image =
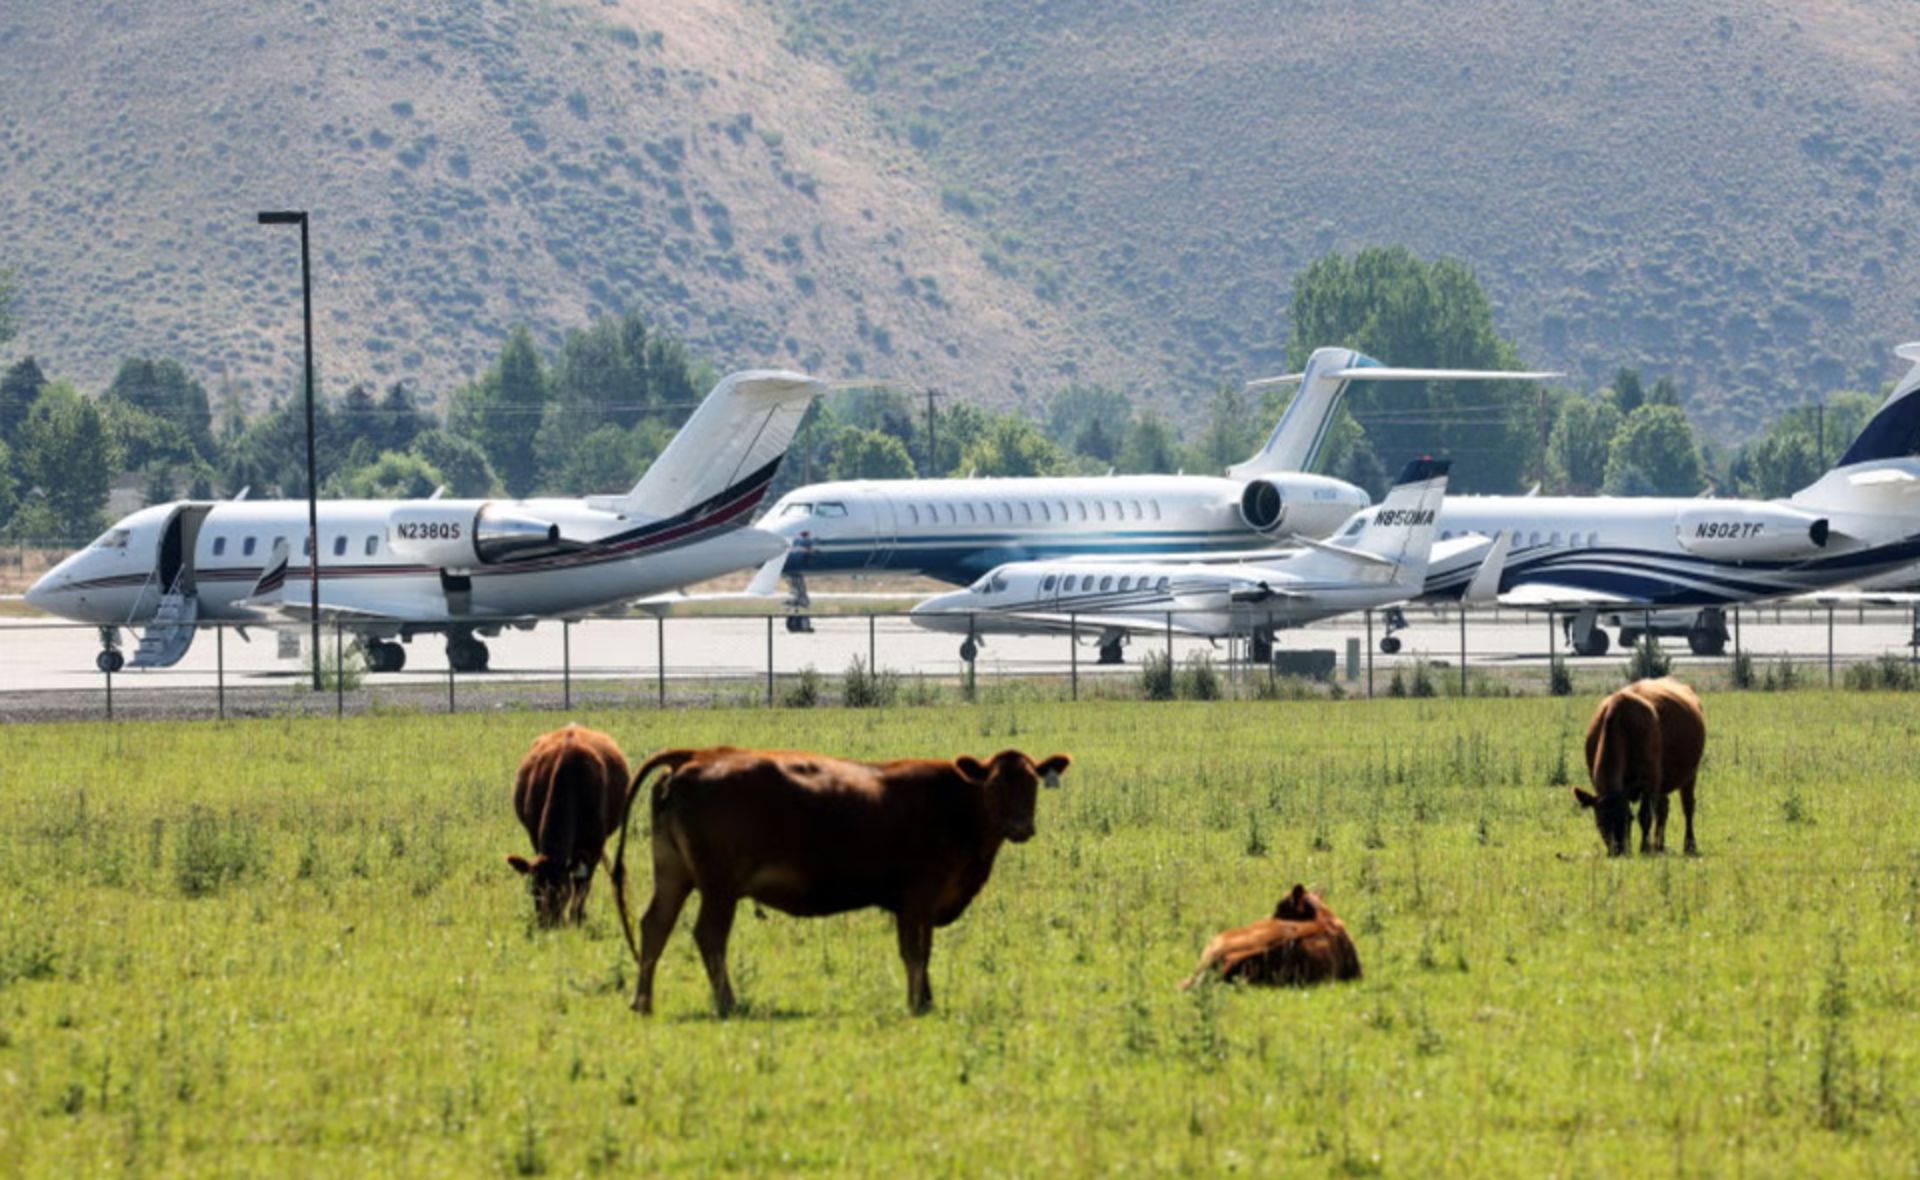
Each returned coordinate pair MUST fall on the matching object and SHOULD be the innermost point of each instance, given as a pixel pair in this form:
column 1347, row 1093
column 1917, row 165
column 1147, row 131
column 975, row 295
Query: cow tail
column 672, row 760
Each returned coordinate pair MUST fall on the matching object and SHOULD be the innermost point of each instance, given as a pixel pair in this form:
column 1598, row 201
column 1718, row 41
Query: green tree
column 1232, row 433
column 1626, row 393
column 1391, row 305
column 70, row 458
column 956, row 431
column 503, row 411
column 859, row 453
column 19, row 387
column 1579, row 445
column 1091, row 419
column 1777, row 465
column 399, row 420
column 1653, row 454
column 145, row 438
column 1013, row 446
column 393, row 476
column 460, row 460
column 602, row 460
column 1152, row 447
column 164, row 390
column 9, row 486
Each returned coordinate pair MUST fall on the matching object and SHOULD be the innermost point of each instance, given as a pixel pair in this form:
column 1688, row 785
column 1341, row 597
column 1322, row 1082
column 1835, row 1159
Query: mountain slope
column 1720, row 191
column 469, row 167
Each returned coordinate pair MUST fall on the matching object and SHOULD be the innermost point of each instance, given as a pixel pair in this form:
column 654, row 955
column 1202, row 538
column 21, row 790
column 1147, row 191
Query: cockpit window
column 999, row 583
column 797, row 509
column 112, row 539
column 1359, row 522
column 830, row 509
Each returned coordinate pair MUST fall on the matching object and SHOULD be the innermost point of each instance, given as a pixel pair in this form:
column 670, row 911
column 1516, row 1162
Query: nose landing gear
column 110, row 659
column 1396, row 620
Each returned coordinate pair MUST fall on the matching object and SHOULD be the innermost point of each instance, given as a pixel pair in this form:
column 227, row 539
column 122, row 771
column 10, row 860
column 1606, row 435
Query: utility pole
column 932, row 454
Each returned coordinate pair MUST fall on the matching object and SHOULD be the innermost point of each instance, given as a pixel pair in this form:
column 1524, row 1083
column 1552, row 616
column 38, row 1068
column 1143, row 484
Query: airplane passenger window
column 277, row 542
column 1445, row 534
column 1118, row 512
column 1162, row 587
column 1047, row 584
column 111, row 539
column 1106, row 583
column 1006, row 510
column 1126, row 583
column 1026, row 512
column 1064, row 517
column 1099, row 510
column 1554, row 540
column 827, row 509
column 971, row 518
column 373, row 545
column 246, row 547
column 340, row 546
column 1533, row 538
column 1593, row 539
column 953, row 515
column 219, row 546
column 798, row 510
column 1066, row 587
column 1139, row 513
column 913, row 515
column 1154, row 507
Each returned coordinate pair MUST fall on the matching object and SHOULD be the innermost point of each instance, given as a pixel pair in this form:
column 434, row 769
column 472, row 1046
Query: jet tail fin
column 731, row 446
column 1295, row 443
column 1398, row 537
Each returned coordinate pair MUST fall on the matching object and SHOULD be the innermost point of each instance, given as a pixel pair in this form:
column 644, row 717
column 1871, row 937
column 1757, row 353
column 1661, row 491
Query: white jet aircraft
column 1381, row 561
column 392, row 569
column 957, row 529
column 1633, row 557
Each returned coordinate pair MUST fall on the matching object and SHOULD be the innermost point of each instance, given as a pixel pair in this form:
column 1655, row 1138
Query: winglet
column 1485, row 587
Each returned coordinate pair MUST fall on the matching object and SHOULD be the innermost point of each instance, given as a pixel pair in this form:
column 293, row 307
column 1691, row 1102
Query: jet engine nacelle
column 1298, row 504
column 456, row 536
column 1750, row 532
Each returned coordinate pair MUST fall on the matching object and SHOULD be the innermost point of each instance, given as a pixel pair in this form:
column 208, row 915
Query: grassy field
column 292, row 947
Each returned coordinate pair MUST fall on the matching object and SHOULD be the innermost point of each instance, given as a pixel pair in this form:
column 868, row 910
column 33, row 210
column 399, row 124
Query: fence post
column 339, row 675
column 1829, row 645
column 566, row 663
column 769, row 661
column 872, row 659
column 220, row 669
column 450, row 705
column 1369, row 653
column 1736, row 632
column 660, row 672
column 1463, row 649
column 1073, row 651
column 1169, row 643
column 109, row 676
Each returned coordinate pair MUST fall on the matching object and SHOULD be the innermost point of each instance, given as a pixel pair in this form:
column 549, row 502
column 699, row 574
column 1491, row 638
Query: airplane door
column 886, row 531
column 177, row 542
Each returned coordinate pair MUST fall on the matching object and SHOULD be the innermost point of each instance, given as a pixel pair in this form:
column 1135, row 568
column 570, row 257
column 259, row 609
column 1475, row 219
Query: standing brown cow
column 570, row 794
column 1303, row 943
column 1644, row 744
column 810, row 835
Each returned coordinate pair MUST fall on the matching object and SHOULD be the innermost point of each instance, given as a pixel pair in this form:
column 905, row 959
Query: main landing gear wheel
column 968, row 650
column 1260, row 649
column 799, row 624
column 110, row 661
column 385, row 656
column 1390, row 645
column 1595, row 644
column 466, row 654
column 1110, row 653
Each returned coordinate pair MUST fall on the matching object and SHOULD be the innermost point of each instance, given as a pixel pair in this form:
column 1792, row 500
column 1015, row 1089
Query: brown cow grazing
column 1644, row 744
column 570, row 794
column 810, row 835
column 1302, row 944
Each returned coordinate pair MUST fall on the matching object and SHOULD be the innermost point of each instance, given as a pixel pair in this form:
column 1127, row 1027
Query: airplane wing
column 1546, row 595
column 1202, row 557
column 1092, row 624
column 1359, row 557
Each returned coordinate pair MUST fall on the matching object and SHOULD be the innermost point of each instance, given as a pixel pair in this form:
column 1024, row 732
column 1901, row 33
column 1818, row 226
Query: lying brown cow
column 1644, row 744
column 1302, row 944
column 570, row 793
column 810, row 835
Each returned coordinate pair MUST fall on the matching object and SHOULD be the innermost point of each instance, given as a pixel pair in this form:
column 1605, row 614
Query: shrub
column 804, row 692
column 1199, row 680
column 1156, row 677
column 1559, row 678
column 1743, row 677
column 1781, row 676
column 1886, row 674
column 864, row 688
column 210, row 856
column 1396, row 687
column 1649, row 661
column 1422, row 685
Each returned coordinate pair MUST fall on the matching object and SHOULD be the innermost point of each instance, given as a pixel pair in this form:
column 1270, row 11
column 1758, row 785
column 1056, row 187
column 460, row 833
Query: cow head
column 554, row 885
column 1613, row 815
column 1011, row 781
column 1298, row 906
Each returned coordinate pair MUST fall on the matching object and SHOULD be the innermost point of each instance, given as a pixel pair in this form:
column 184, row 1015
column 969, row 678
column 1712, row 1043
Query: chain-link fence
column 55, row 669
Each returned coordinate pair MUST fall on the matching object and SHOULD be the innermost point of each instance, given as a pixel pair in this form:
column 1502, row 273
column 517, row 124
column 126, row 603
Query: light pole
column 313, row 504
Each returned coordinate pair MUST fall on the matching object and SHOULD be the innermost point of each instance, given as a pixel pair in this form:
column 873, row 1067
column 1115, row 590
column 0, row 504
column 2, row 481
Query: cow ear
column 971, row 767
column 1053, row 768
column 520, row 864
column 1585, row 798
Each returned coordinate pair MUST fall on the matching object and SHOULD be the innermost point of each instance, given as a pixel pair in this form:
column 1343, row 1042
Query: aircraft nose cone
column 40, row 594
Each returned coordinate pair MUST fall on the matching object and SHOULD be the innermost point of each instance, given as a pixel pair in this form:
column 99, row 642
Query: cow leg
column 916, row 948
column 670, row 890
column 1686, row 809
column 1646, row 821
column 710, row 931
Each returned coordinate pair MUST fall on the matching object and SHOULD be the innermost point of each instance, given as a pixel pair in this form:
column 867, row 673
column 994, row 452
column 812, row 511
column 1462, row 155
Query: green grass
column 293, row 947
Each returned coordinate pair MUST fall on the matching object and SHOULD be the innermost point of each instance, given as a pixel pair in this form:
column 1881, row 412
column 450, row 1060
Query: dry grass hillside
column 472, row 166
column 991, row 198
column 1723, row 191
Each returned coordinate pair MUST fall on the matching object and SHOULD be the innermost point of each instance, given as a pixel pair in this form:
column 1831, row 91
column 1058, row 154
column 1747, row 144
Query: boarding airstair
column 170, row 632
